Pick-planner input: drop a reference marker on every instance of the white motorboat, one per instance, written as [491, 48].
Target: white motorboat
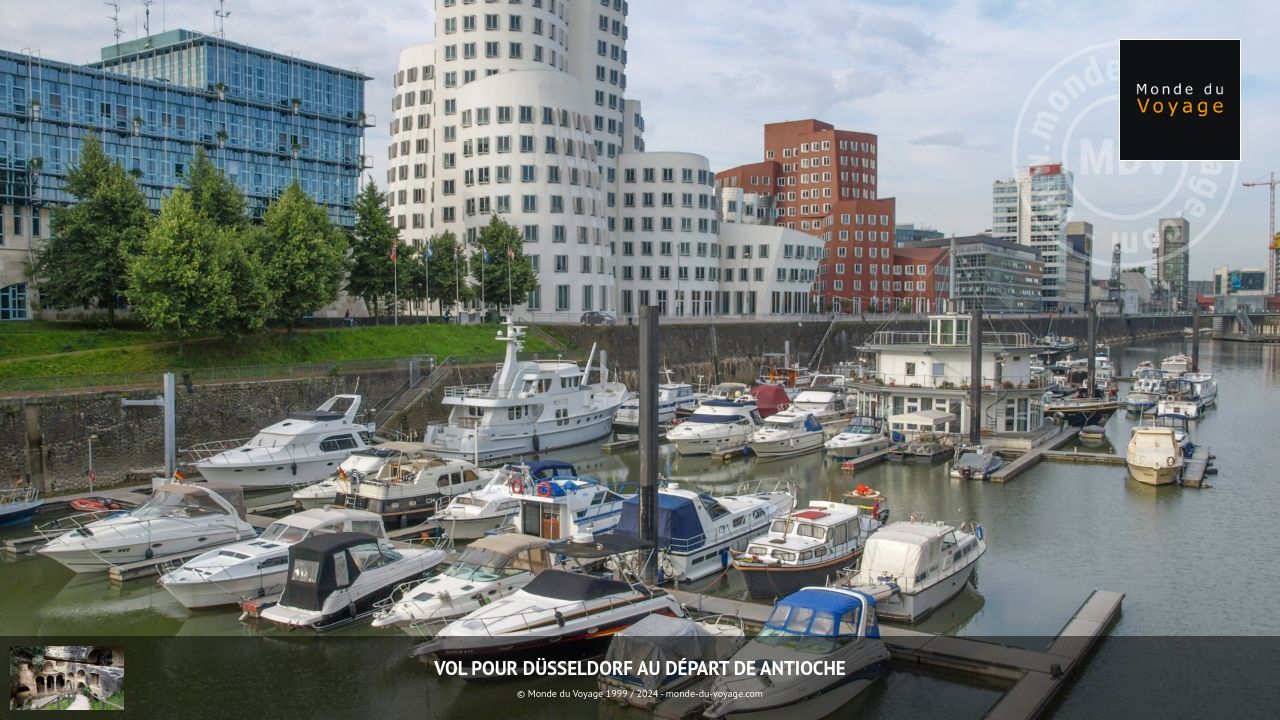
[408, 492]
[1153, 456]
[531, 406]
[258, 567]
[912, 568]
[1181, 431]
[697, 533]
[673, 398]
[829, 403]
[1181, 399]
[1175, 365]
[862, 436]
[472, 514]
[664, 639]
[1203, 388]
[558, 613]
[305, 447]
[362, 463]
[813, 624]
[555, 503]
[729, 391]
[18, 504]
[179, 518]
[1145, 392]
[975, 462]
[789, 432]
[490, 568]
[336, 578]
[715, 426]
[806, 547]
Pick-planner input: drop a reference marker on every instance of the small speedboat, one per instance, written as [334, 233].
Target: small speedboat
[568, 615]
[258, 567]
[336, 578]
[714, 426]
[862, 436]
[812, 624]
[975, 462]
[663, 639]
[179, 518]
[94, 504]
[18, 504]
[790, 432]
[489, 569]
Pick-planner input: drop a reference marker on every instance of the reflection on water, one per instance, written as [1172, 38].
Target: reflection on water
[1054, 534]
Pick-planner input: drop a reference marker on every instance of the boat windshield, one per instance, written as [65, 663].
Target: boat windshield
[283, 532]
[167, 504]
[802, 529]
[861, 429]
[805, 629]
[709, 419]
[266, 439]
[481, 565]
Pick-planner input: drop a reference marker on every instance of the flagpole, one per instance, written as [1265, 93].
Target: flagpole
[457, 282]
[510, 259]
[483, 262]
[426, 278]
[395, 270]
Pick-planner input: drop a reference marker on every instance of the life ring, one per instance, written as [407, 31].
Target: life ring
[516, 485]
[543, 489]
[1170, 398]
[1171, 460]
[863, 490]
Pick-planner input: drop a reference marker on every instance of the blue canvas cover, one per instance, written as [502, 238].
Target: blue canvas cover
[677, 520]
[811, 424]
[543, 469]
[818, 612]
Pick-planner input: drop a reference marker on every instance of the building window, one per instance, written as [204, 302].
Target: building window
[562, 297]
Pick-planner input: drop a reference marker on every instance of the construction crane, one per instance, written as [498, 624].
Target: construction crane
[1273, 247]
[1115, 291]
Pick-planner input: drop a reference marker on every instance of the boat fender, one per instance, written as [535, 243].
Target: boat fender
[724, 557]
[979, 532]
[148, 554]
[536, 444]
[559, 618]
[666, 567]
[544, 489]
[1170, 460]
[293, 467]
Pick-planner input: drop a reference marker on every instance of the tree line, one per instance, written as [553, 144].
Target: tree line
[200, 266]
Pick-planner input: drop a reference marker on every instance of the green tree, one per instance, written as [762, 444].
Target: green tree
[371, 273]
[252, 300]
[84, 262]
[304, 255]
[447, 269]
[178, 282]
[213, 194]
[504, 246]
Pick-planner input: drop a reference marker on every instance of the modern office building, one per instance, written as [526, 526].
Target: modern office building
[1173, 260]
[264, 118]
[1032, 209]
[823, 181]
[1080, 241]
[907, 234]
[767, 269]
[992, 274]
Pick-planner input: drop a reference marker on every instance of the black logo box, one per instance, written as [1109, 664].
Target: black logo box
[1205, 73]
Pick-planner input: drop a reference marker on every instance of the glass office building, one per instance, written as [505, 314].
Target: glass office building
[264, 118]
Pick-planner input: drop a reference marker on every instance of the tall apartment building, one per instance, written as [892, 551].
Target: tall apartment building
[264, 118]
[518, 109]
[1032, 209]
[823, 181]
[1173, 260]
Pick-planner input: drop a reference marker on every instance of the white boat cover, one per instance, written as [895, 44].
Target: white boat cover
[659, 638]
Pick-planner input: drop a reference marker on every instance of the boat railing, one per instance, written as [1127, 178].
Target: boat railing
[478, 390]
[81, 521]
[19, 495]
[531, 620]
[205, 450]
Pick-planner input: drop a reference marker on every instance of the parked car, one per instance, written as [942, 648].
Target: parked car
[598, 317]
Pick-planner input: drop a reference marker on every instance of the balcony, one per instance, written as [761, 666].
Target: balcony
[920, 338]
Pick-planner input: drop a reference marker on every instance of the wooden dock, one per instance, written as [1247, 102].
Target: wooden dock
[875, 458]
[626, 443]
[1032, 457]
[1197, 467]
[1036, 676]
[731, 454]
[1083, 457]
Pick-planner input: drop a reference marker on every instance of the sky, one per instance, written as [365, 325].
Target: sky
[950, 86]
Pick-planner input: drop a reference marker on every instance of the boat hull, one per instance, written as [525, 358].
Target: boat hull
[277, 473]
[766, 582]
[848, 452]
[708, 444]
[1079, 417]
[85, 559]
[787, 446]
[1155, 475]
[196, 595]
[816, 703]
[19, 512]
[913, 607]
[574, 644]
[548, 438]
[470, 528]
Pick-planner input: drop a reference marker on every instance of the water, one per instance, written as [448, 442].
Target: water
[1055, 533]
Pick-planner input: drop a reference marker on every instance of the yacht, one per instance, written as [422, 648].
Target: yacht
[305, 447]
[715, 426]
[673, 399]
[806, 547]
[473, 514]
[488, 569]
[531, 406]
[1181, 399]
[862, 436]
[975, 462]
[1203, 387]
[18, 504]
[1153, 456]
[828, 403]
[558, 613]
[336, 578]
[912, 568]
[555, 503]
[361, 464]
[697, 532]
[410, 492]
[258, 567]
[812, 624]
[179, 518]
[1175, 365]
[790, 432]
[663, 638]
[1145, 392]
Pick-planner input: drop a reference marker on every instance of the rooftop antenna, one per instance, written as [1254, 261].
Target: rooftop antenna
[146, 20]
[114, 17]
[223, 13]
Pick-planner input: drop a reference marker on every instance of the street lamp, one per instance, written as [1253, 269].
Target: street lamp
[92, 437]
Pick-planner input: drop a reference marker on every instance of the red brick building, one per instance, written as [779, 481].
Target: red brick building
[823, 181]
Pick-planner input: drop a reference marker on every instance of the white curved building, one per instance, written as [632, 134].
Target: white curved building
[411, 168]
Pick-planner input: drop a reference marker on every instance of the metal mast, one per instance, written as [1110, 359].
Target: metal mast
[1273, 247]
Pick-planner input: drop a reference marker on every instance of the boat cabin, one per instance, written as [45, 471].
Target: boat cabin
[915, 555]
[830, 617]
[324, 564]
[909, 426]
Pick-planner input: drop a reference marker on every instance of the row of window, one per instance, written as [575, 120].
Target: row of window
[668, 200]
[649, 175]
[667, 224]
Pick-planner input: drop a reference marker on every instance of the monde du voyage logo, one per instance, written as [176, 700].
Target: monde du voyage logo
[1180, 99]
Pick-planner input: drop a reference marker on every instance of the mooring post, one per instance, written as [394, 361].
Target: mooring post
[1092, 319]
[975, 370]
[1195, 337]
[170, 427]
[648, 377]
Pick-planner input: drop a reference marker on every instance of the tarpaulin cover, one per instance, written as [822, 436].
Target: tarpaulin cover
[677, 520]
[659, 638]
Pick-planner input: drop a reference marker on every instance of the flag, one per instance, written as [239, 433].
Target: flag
[427, 249]
[393, 254]
[177, 475]
[511, 254]
[486, 257]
